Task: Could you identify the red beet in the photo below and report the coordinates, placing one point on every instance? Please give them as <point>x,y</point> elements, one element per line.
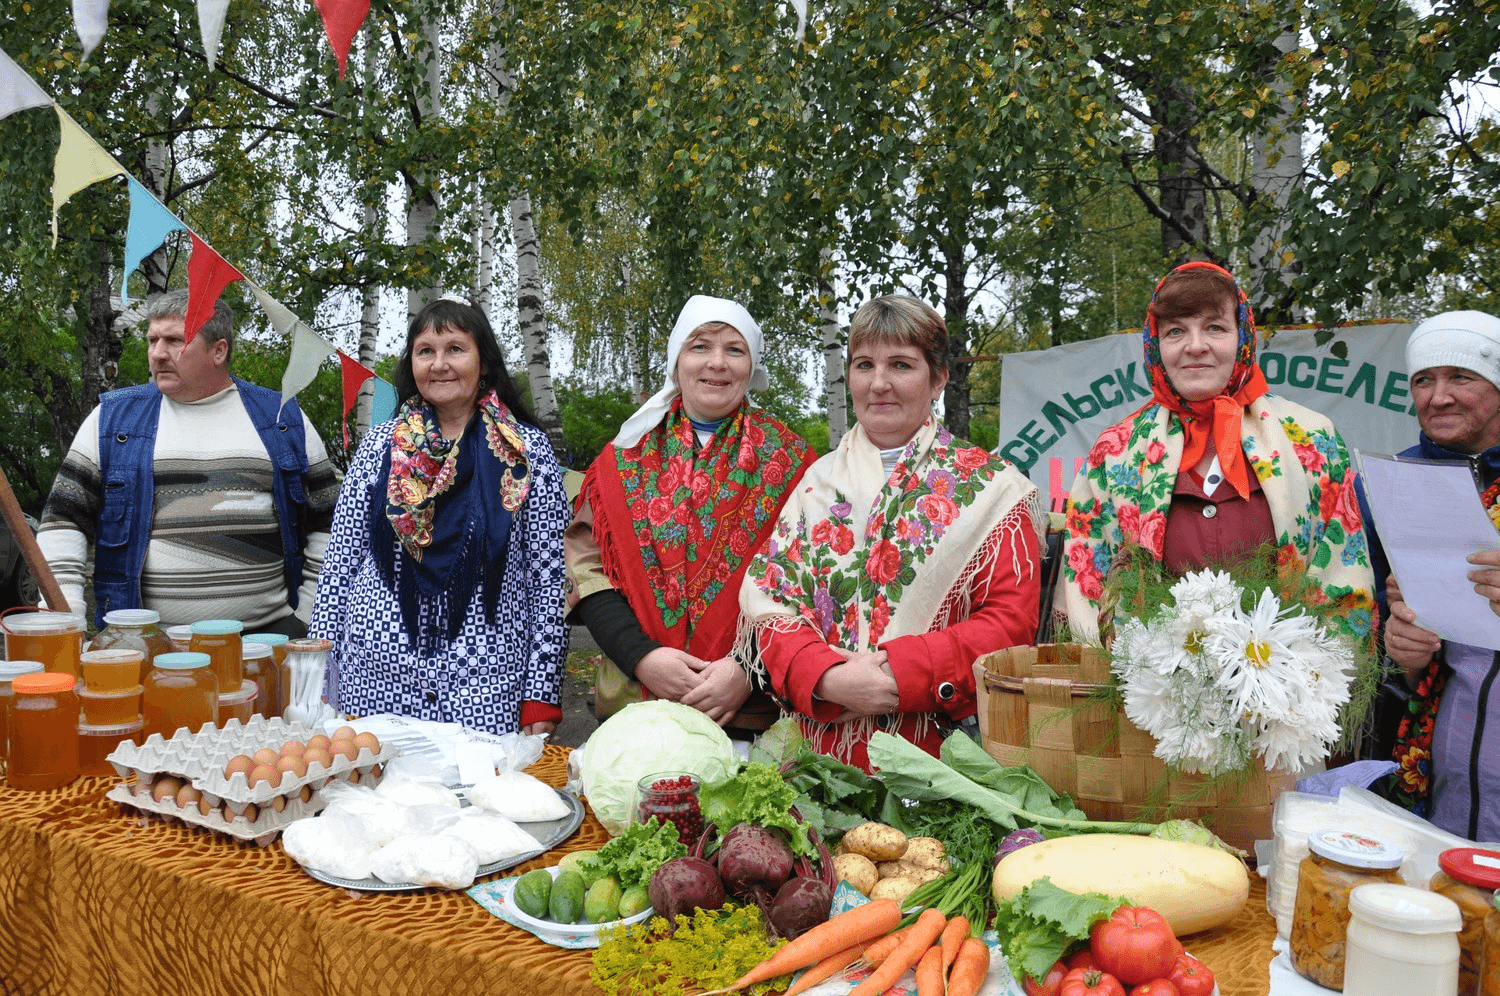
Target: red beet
<point>754,862</point>
<point>683,885</point>
<point>801,904</point>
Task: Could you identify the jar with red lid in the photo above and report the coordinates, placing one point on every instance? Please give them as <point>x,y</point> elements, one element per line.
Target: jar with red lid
<point>1489,970</point>
<point>1469,876</point>
<point>43,728</point>
<point>1338,862</point>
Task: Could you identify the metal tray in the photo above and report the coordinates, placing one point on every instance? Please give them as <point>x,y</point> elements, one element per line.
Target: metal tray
<point>550,833</point>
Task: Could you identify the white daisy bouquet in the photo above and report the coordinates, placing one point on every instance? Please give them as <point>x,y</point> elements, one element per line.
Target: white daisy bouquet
<point>1217,682</point>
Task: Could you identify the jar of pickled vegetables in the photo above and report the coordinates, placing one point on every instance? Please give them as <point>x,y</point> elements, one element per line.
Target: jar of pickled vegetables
<point>261,670</point>
<point>1469,876</point>
<point>8,671</point>
<point>277,642</point>
<point>133,629</point>
<point>1337,862</point>
<point>220,640</point>
<point>181,690</point>
<point>43,731</point>
<point>1489,969</point>
<point>54,638</point>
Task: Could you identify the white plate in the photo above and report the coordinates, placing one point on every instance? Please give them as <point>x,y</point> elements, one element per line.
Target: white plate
<point>535,924</point>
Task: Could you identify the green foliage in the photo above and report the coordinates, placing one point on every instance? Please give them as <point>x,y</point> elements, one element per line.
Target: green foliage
<point>590,419</point>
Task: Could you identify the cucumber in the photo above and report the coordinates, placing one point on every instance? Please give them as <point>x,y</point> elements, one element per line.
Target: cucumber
<point>533,892</point>
<point>602,902</point>
<point>565,905</point>
<point>633,901</point>
<point>574,861</point>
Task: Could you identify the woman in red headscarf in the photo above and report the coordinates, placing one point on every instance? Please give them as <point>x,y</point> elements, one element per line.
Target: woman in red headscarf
<point>1214,466</point>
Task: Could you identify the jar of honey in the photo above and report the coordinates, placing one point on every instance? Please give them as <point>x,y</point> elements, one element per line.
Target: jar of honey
<point>8,671</point>
<point>277,642</point>
<point>133,629</point>
<point>54,638</point>
<point>238,704</point>
<point>43,731</point>
<point>1469,876</point>
<point>113,670</point>
<point>96,743</point>
<point>181,691</point>
<point>260,668</point>
<point>1337,862</point>
<point>179,636</point>
<point>1489,969</point>
<point>220,640</point>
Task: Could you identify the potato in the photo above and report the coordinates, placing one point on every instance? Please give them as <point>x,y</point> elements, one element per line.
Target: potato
<point>904,869</point>
<point>876,841</point>
<point>926,852</point>
<point>856,869</point>
<point>1193,886</point>
<point>897,888</point>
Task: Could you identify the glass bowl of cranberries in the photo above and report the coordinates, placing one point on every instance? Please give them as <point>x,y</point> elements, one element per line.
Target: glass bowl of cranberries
<point>671,796</point>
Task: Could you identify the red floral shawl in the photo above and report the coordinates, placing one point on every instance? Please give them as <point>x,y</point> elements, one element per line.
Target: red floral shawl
<point>676,525</point>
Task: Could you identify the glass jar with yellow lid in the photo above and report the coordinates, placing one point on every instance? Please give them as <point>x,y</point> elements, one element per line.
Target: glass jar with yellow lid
<point>1337,862</point>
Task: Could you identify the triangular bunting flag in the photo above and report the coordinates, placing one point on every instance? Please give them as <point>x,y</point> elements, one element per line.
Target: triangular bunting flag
<point>211,27</point>
<point>18,91</point>
<point>150,224</point>
<point>90,18</point>
<point>208,275</point>
<point>80,162</point>
<point>341,20</point>
<point>309,350</point>
<point>355,374</point>
<point>383,406</point>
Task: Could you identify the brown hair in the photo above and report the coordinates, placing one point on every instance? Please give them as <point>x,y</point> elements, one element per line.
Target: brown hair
<point>900,319</point>
<point>1192,292</point>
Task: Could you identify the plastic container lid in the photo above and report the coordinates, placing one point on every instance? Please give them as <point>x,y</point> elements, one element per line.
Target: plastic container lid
<point>9,669</point>
<point>269,639</point>
<point>132,617</point>
<point>247,692</point>
<point>252,649</point>
<point>1404,909</point>
<point>178,632</point>
<point>42,623</point>
<point>114,655</point>
<point>309,646</point>
<point>43,683</point>
<point>86,693</point>
<point>217,627</point>
<point>1472,865</point>
<point>120,730</point>
<point>185,661</point>
<point>1352,849</point>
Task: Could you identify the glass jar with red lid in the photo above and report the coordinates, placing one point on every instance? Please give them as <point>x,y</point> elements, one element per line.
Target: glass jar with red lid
<point>1469,876</point>
<point>43,729</point>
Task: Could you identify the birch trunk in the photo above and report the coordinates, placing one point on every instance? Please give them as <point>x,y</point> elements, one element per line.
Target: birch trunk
<point>154,178</point>
<point>369,313</point>
<point>1275,174</point>
<point>835,384</point>
<point>532,319</point>
<point>421,211</point>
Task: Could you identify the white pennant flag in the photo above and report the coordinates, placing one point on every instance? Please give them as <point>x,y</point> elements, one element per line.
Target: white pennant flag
<point>309,349</point>
<point>211,26</point>
<point>18,91</point>
<point>90,18</point>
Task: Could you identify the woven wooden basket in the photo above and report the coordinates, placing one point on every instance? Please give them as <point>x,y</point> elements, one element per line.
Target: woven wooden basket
<point>1034,709</point>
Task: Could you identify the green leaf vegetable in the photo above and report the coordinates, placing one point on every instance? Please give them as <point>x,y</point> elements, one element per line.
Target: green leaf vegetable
<point>758,794</point>
<point>1041,922</point>
<point>832,797</point>
<point>633,857</point>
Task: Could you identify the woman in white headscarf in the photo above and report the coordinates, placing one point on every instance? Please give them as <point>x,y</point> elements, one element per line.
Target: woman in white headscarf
<point>669,515</point>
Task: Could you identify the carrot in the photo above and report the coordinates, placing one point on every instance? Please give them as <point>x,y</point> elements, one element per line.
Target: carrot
<point>826,968</point>
<point>930,973</point>
<point>850,927</point>
<point>880,950</point>
<point>953,937</point>
<point>969,968</point>
<point>918,939</point>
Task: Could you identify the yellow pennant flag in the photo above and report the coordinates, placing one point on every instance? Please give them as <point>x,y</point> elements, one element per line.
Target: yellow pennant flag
<point>81,161</point>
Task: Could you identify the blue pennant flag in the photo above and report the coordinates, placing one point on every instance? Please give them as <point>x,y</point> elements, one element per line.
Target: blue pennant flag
<point>383,405</point>
<point>150,224</point>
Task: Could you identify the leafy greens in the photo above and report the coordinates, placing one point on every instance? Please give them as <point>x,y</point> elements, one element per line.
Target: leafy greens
<point>1041,922</point>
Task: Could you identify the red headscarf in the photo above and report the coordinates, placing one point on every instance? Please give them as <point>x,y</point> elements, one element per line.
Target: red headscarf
<point>1215,419</point>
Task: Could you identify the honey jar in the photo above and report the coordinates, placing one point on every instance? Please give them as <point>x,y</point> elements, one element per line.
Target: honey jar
<point>8,671</point>
<point>220,640</point>
<point>238,704</point>
<point>96,743</point>
<point>111,670</point>
<point>180,637</point>
<point>1337,862</point>
<point>110,708</point>
<point>1469,877</point>
<point>54,638</point>
<point>1489,969</point>
<point>181,691</point>
<point>134,629</point>
<point>261,670</point>
<point>277,642</point>
<point>43,731</point>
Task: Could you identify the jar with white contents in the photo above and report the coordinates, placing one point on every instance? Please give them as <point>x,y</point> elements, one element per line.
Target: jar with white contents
<point>1401,941</point>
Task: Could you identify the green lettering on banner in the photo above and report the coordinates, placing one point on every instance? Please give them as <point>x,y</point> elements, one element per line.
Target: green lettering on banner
<point>1126,379</point>
<point>1031,433</point>
<point>1056,414</point>
<point>1084,407</point>
<point>1364,379</point>
<point>1107,379</point>
<point>1331,373</point>
<point>1395,387</point>
<point>1021,463</point>
<point>1294,379</point>
<point>1273,365</point>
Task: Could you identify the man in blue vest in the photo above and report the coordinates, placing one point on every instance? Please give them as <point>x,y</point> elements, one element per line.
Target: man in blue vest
<point>198,494</point>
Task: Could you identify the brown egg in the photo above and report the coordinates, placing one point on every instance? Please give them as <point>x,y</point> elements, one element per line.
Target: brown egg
<point>293,748</point>
<point>344,733</point>
<point>251,813</point>
<point>265,773</point>
<point>240,762</point>
<point>307,793</point>
<point>318,755</point>
<point>278,802</point>
<point>345,748</point>
<point>204,806</point>
<point>187,796</point>
<point>316,741</point>
<point>295,766</point>
<point>165,787</point>
<point>266,756</point>
<point>368,740</point>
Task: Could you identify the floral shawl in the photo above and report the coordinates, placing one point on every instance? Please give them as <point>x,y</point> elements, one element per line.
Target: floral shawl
<point>676,524</point>
<point>1124,491</point>
<point>864,559</point>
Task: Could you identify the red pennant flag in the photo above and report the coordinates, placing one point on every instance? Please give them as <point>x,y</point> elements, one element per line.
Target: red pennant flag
<point>341,20</point>
<point>208,275</point>
<point>355,374</point>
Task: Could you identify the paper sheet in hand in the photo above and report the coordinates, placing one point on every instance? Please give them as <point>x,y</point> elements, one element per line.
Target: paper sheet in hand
<point>1429,518</point>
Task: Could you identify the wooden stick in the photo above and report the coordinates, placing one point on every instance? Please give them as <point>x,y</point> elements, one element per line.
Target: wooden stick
<point>21,530</point>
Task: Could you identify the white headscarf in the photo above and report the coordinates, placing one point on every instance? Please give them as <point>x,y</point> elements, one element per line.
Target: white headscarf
<point>699,310</point>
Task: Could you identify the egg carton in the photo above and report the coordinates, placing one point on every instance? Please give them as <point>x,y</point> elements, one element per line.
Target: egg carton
<point>258,826</point>
<point>200,759</point>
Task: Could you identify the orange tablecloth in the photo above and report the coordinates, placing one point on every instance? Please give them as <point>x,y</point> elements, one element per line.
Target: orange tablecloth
<point>97,899</point>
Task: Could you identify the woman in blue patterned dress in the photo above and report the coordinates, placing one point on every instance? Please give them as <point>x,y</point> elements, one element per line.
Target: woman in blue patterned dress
<point>443,582</point>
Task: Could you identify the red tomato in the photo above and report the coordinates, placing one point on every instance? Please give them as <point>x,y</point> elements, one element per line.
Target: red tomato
<point>1082,959</point>
<point>1090,982</point>
<point>1135,945</point>
<point>1192,977</point>
<point>1048,986</point>
<point>1156,987</point>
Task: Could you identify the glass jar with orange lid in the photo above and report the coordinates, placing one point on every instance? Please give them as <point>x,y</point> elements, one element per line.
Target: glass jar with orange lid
<point>54,638</point>
<point>1489,969</point>
<point>43,731</point>
<point>8,671</point>
<point>181,690</point>
<point>260,667</point>
<point>133,629</point>
<point>1469,876</point>
<point>220,640</point>
<point>277,642</point>
<point>1337,862</point>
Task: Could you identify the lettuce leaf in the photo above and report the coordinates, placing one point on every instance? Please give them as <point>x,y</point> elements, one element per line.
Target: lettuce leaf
<point>633,857</point>
<point>1042,922</point>
<point>758,794</point>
